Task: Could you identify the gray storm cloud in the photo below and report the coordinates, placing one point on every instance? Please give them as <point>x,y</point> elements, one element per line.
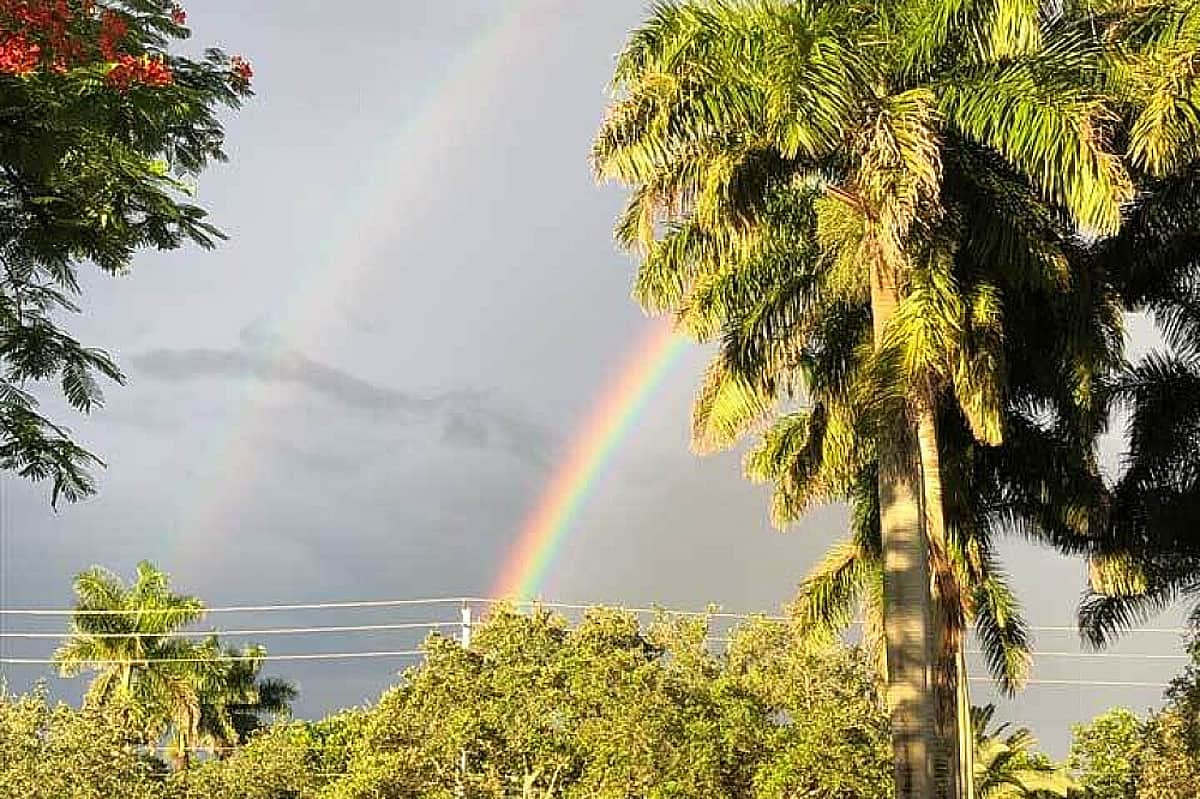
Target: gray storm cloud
<point>467,418</point>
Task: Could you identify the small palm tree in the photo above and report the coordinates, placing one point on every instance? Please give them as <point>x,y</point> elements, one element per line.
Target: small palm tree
<point>244,703</point>
<point>1008,767</point>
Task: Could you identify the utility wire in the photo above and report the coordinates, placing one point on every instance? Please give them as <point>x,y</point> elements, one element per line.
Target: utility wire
<point>669,611</point>
<point>355,628</point>
<point>1083,683</point>
<point>1149,630</point>
<point>255,658</point>
<point>1099,655</point>
<point>385,603</point>
<point>467,600</point>
<point>1038,653</point>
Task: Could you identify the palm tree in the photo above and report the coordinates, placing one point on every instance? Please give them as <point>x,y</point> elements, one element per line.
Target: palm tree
<point>850,115</point>
<point>132,638</point>
<point>244,703</point>
<point>1149,66</point>
<point>1007,767</point>
<point>129,636</point>
<point>1148,555</point>
<point>1031,479</point>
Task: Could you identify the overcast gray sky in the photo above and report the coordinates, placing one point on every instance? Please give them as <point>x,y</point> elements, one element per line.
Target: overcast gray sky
<point>364,391</point>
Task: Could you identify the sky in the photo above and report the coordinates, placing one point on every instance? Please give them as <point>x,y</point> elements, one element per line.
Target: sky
<point>363,392</point>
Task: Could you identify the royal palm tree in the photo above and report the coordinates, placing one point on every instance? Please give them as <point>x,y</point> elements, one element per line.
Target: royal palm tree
<point>850,112</point>
<point>1036,480</point>
<point>129,637</point>
<point>134,638</point>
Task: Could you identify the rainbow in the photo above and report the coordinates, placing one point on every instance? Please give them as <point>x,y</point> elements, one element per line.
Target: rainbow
<point>399,177</point>
<point>610,420</point>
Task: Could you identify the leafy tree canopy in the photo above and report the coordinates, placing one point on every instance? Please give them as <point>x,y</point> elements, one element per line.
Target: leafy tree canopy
<point>1121,756</point>
<point>56,752</point>
<point>102,130</point>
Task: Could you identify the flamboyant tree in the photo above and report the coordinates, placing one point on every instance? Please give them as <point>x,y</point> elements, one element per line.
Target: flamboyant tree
<point>102,129</point>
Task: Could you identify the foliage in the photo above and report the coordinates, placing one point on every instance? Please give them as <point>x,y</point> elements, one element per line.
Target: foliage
<point>1119,756</point>
<point>1007,767</point>
<point>57,752</point>
<point>539,708</point>
<point>102,129</point>
<point>1106,754</point>
<point>1150,555</point>
<point>292,760</point>
<point>1146,555</point>
<point>605,710</point>
<point>830,738</point>
<point>1171,762</point>
<point>1171,765</point>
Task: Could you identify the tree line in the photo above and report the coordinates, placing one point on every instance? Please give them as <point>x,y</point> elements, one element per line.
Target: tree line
<point>534,707</point>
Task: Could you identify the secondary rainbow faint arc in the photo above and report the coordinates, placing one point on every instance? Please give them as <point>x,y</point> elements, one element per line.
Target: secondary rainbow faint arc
<point>551,521</point>
<point>228,460</point>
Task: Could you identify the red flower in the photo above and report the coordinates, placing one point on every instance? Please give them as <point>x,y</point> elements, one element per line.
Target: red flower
<point>240,70</point>
<point>112,29</point>
<point>155,72</point>
<point>18,55</point>
<point>178,15</point>
<point>145,70</point>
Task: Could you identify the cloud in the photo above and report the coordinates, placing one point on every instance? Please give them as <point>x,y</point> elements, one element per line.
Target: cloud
<point>467,418</point>
<point>462,430</point>
<point>289,368</point>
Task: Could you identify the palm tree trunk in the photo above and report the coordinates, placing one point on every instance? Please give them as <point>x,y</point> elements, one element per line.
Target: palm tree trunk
<point>947,616</point>
<point>906,582</point>
<point>966,728</point>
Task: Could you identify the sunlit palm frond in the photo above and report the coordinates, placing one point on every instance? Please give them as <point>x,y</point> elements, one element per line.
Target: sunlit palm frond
<point>1048,125</point>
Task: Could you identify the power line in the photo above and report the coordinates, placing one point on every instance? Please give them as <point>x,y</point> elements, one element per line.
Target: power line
<point>148,661</point>
<point>653,610</point>
<point>1083,683</point>
<point>465,600</point>
<point>384,603</point>
<point>353,628</point>
<point>1100,655</point>
<point>1084,655</point>
<point>1149,630</point>
<point>1037,654</point>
